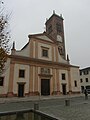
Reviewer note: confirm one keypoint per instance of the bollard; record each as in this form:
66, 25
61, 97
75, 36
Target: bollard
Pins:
86, 97
67, 102
36, 106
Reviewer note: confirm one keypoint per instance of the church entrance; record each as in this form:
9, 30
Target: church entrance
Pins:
64, 89
20, 90
45, 86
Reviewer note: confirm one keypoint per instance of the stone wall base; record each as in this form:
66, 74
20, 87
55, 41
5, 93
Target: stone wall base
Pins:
36, 93
56, 93
10, 94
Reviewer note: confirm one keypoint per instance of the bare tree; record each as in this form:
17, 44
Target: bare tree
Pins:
4, 37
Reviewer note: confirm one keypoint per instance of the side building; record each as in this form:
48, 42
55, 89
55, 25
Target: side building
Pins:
41, 66
85, 79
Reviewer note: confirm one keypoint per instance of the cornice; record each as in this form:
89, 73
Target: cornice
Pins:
28, 60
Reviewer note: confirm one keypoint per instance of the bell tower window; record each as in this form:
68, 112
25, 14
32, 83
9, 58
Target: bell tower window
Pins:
1, 81
58, 27
50, 29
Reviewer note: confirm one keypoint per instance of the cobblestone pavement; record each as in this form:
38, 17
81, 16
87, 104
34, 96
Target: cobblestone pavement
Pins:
79, 108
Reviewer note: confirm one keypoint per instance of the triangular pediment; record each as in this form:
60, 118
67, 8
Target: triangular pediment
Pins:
44, 37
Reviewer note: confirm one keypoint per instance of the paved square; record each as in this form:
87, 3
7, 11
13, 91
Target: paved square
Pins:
79, 108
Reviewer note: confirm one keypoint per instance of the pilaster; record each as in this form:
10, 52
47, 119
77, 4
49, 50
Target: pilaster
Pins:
11, 79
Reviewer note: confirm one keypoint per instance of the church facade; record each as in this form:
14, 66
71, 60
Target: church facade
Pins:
41, 66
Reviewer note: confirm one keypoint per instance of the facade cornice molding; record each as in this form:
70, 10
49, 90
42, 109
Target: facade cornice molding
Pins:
28, 60
45, 75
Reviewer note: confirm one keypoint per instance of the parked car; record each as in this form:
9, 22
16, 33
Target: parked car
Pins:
88, 89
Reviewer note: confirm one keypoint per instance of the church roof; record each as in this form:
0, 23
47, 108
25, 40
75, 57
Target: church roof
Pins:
25, 46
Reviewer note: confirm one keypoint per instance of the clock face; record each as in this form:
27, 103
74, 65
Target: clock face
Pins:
59, 38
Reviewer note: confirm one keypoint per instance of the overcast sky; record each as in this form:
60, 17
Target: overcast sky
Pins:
29, 16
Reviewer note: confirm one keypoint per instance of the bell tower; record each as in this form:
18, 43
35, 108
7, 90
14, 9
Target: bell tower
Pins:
55, 29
